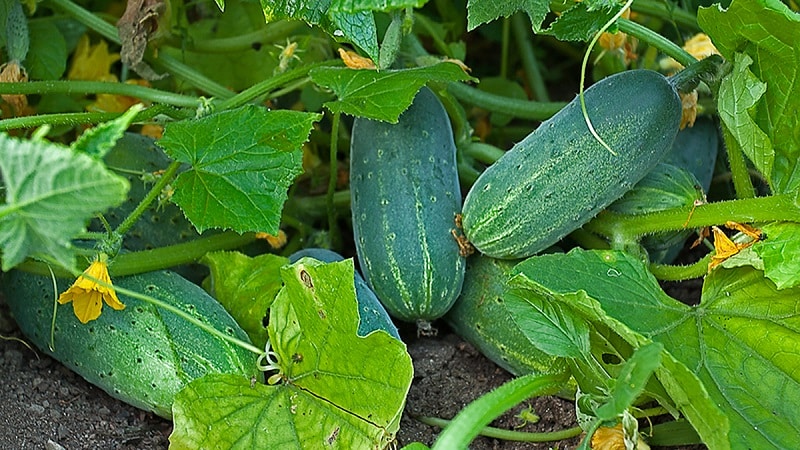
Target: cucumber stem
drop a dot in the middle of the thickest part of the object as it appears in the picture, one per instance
(183, 315)
(333, 175)
(782, 207)
(100, 87)
(668, 272)
(522, 34)
(508, 435)
(163, 181)
(269, 84)
(75, 119)
(585, 63)
(522, 109)
(468, 423)
(740, 175)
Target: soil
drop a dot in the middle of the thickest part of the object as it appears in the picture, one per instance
(44, 405)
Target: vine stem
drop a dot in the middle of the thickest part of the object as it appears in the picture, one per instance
(269, 84)
(469, 422)
(585, 63)
(509, 435)
(74, 119)
(332, 175)
(182, 314)
(133, 263)
(163, 181)
(619, 227)
(100, 87)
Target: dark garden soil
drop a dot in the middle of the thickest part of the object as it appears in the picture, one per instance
(44, 405)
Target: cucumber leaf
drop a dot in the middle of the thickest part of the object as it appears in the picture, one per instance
(485, 11)
(779, 253)
(47, 56)
(766, 32)
(380, 95)
(99, 140)
(337, 389)
(741, 341)
(51, 192)
(631, 381)
(246, 287)
(581, 22)
(239, 176)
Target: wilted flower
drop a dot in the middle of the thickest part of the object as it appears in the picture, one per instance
(13, 72)
(699, 46)
(87, 295)
(355, 61)
(92, 62)
(613, 438)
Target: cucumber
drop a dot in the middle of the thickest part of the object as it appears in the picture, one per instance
(480, 317)
(405, 196)
(372, 315)
(695, 149)
(560, 176)
(141, 355)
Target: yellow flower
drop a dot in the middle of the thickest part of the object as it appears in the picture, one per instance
(92, 62)
(87, 295)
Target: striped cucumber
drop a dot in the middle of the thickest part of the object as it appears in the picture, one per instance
(560, 176)
(405, 197)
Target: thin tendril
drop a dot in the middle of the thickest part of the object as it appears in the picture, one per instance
(271, 359)
(585, 62)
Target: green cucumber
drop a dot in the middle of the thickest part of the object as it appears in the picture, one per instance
(372, 315)
(560, 176)
(141, 355)
(480, 317)
(695, 149)
(405, 197)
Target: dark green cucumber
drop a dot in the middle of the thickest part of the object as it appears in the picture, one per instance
(405, 197)
(664, 187)
(141, 355)
(560, 176)
(695, 149)
(372, 315)
(480, 317)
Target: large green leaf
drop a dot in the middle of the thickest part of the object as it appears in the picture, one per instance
(243, 162)
(741, 341)
(766, 31)
(51, 192)
(381, 95)
(337, 390)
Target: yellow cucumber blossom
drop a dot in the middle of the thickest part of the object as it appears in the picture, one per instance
(87, 295)
(613, 438)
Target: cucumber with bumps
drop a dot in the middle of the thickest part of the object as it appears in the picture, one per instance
(480, 317)
(141, 355)
(372, 315)
(405, 196)
(560, 176)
